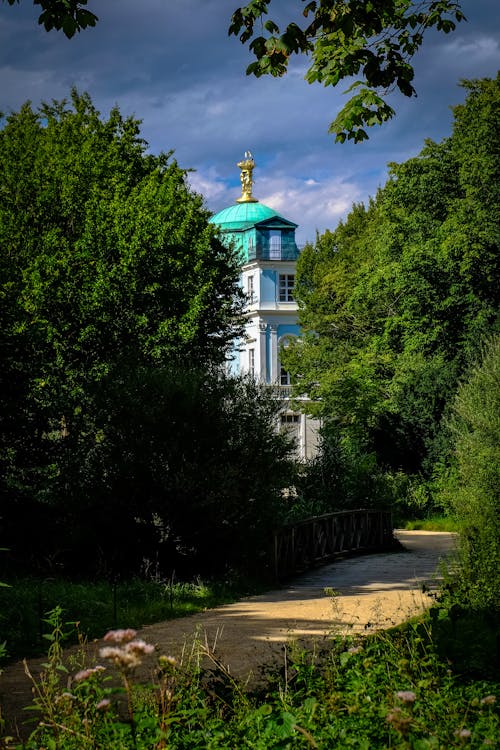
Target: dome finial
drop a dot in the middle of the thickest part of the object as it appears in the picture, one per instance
(247, 166)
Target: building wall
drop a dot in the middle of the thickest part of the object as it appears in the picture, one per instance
(269, 252)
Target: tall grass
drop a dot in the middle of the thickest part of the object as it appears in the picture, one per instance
(433, 523)
(100, 605)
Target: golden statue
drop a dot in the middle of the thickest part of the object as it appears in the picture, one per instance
(247, 166)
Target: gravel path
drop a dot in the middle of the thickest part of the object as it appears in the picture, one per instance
(355, 594)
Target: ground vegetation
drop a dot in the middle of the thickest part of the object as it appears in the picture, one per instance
(471, 486)
(388, 690)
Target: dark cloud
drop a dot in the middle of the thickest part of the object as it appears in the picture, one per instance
(171, 63)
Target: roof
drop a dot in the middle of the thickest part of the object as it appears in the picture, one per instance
(242, 216)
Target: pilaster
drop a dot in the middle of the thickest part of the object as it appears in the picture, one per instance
(274, 352)
(263, 351)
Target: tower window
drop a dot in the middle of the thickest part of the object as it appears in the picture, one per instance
(275, 245)
(250, 288)
(290, 419)
(286, 287)
(284, 376)
(251, 361)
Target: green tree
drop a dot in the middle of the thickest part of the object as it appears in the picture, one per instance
(109, 271)
(187, 473)
(472, 489)
(396, 301)
(376, 39)
(69, 16)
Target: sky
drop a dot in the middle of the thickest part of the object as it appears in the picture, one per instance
(171, 64)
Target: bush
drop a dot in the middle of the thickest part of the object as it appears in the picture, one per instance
(185, 473)
(472, 489)
(345, 474)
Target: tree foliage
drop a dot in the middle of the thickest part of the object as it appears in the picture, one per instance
(395, 302)
(69, 16)
(472, 488)
(111, 277)
(374, 39)
(184, 472)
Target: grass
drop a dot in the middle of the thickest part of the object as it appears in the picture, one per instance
(390, 690)
(434, 523)
(99, 606)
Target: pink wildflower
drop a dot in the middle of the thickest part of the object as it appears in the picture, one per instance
(65, 697)
(128, 654)
(119, 657)
(488, 700)
(139, 647)
(84, 674)
(104, 705)
(355, 649)
(393, 715)
(463, 734)
(406, 696)
(120, 636)
(398, 720)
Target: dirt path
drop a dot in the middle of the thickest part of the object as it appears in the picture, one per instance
(359, 594)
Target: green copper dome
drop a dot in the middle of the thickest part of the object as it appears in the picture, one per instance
(255, 231)
(243, 215)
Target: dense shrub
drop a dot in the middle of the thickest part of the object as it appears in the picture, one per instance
(185, 473)
(472, 489)
(120, 441)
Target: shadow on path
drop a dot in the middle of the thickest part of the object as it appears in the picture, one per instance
(356, 594)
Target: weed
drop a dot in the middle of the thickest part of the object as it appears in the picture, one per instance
(388, 690)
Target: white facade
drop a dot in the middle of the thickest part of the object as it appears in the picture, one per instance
(271, 315)
(269, 253)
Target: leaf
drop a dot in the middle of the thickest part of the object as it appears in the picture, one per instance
(69, 26)
(345, 38)
(271, 27)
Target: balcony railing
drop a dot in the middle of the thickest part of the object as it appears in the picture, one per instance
(262, 251)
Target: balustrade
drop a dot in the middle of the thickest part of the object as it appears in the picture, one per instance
(317, 540)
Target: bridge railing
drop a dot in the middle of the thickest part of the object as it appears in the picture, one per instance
(313, 541)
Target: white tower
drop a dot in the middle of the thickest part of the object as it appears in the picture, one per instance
(266, 243)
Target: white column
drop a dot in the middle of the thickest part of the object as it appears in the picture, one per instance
(274, 352)
(262, 351)
(303, 437)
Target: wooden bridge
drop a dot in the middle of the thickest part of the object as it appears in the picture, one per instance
(314, 541)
